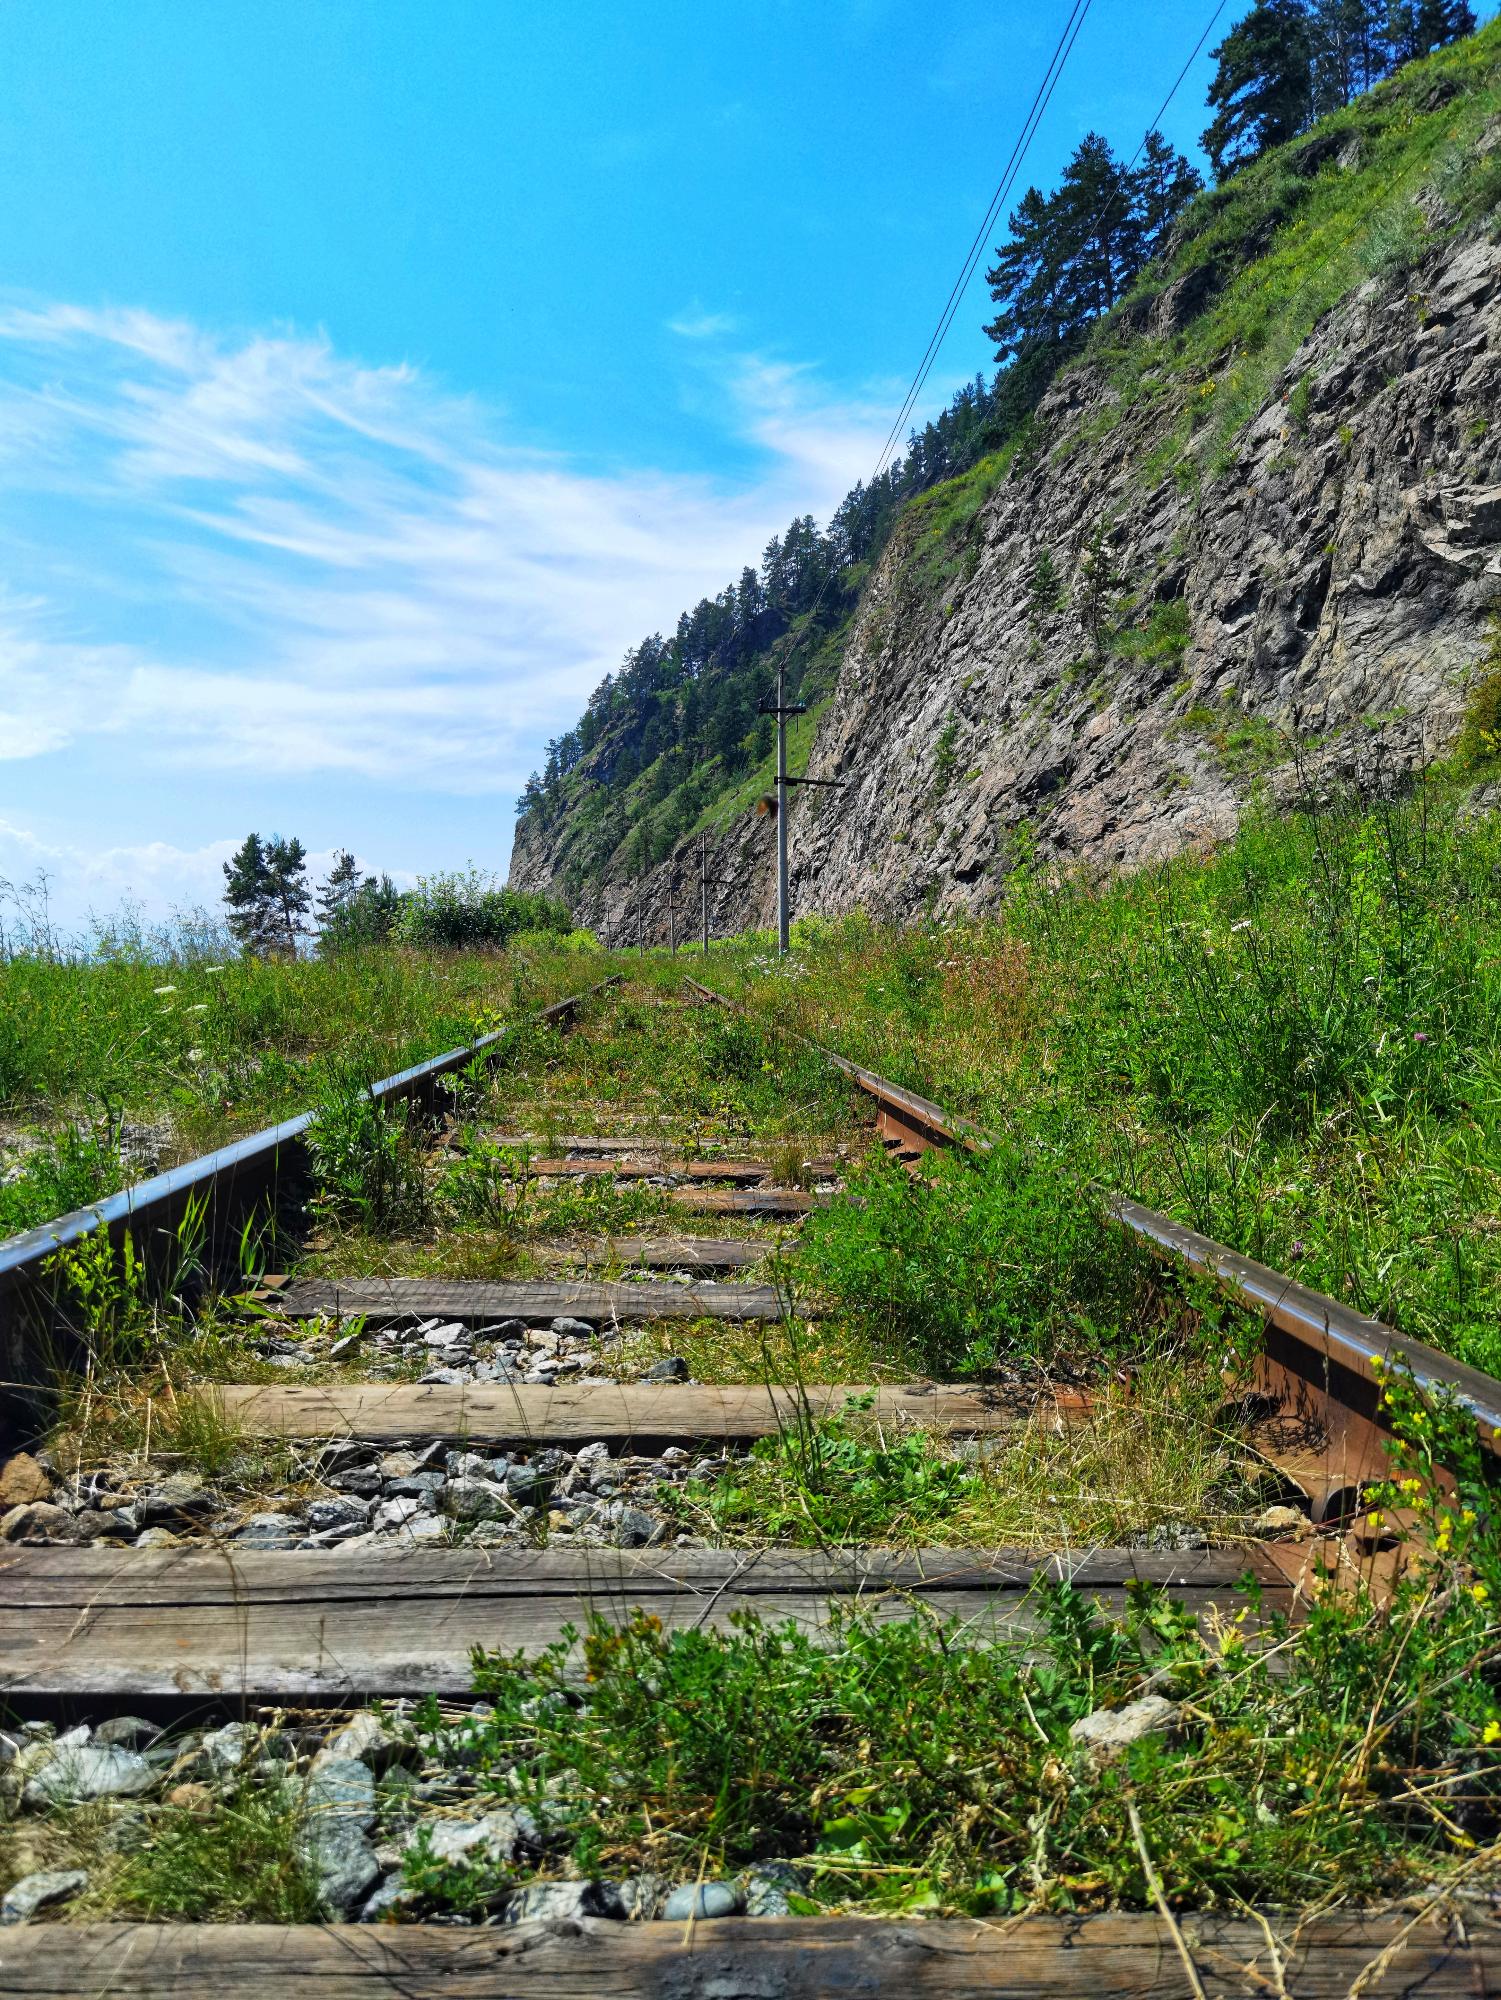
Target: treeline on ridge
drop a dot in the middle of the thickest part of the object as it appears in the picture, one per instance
(272, 908)
(678, 724)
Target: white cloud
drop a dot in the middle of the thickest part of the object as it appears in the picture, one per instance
(696, 324)
(262, 555)
(155, 876)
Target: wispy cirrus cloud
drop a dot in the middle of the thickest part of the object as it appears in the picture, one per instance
(261, 554)
(696, 324)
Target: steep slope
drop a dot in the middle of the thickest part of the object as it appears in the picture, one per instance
(1257, 533)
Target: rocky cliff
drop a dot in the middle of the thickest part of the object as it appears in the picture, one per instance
(1226, 554)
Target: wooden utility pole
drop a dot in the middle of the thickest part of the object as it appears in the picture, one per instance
(781, 710)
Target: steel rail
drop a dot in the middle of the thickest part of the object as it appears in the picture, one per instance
(229, 1185)
(1322, 1363)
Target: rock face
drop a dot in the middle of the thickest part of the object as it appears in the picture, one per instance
(1337, 564)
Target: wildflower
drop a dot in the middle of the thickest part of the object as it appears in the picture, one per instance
(213, 968)
(159, 990)
(1411, 1487)
(1467, 1517)
(1375, 1518)
(199, 1007)
(1419, 1036)
(1479, 1592)
(1244, 924)
(1491, 1732)
(1295, 1249)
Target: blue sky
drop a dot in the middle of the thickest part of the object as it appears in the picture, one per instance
(373, 375)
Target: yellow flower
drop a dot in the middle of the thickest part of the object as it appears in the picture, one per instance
(1467, 1515)
(1491, 1732)
(1479, 1592)
(1375, 1517)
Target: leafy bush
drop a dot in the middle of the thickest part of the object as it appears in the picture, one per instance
(71, 1171)
(473, 911)
(1479, 740)
(981, 1260)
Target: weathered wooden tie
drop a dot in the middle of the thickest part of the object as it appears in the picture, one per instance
(482, 1301)
(767, 1958)
(86, 1625)
(746, 1201)
(621, 1414)
(672, 1253)
(741, 1172)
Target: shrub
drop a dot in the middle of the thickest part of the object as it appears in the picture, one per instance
(1480, 735)
(472, 909)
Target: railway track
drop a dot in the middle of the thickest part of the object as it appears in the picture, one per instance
(542, 1449)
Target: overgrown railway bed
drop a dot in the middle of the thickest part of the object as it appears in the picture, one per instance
(495, 1462)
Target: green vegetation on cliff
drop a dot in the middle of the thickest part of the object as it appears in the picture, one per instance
(1204, 326)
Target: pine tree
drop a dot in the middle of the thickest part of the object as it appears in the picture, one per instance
(1093, 215)
(1071, 255)
(247, 892)
(1024, 278)
(1162, 184)
(287, 893)
(1416, 28)
(1349, 54)
(1262, 93)
(368, 916)
(339, 888)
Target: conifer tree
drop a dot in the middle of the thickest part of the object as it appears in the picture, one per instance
(1163, 183)
(247, 892)
(1416, 28)
(287, 892)
(338, 889)
(1262, 92)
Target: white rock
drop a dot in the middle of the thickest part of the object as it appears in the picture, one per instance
(479, 1500)
(227, 1748)
(73, 1772)
(452, 1839)
(23, 1899)
(426, 1528)
(396, 1513)
(363, 1738)
(1109, 1732)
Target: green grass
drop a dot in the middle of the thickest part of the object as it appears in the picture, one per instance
(907, 1767)
(1142, 1456)
(1294, 240)
(218, 1048)
(236, 1862)
(1293, 1045)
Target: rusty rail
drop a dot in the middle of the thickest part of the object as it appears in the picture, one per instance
(1321, 1361)
(229, 1187)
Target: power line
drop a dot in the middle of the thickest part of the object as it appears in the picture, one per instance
(1040, 102)
(1104, 214)
(1041, 99)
